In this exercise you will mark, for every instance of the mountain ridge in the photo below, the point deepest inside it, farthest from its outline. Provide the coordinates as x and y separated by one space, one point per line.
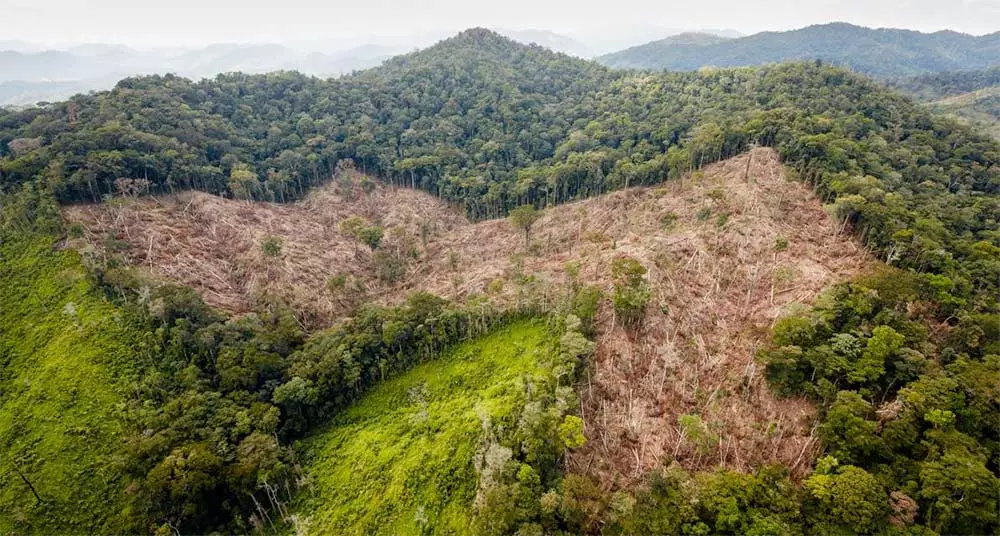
878 51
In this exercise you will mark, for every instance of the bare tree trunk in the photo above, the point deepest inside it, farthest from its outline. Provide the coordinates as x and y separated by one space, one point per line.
28 482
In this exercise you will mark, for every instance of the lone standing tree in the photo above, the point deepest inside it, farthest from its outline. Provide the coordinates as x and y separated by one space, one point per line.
523 217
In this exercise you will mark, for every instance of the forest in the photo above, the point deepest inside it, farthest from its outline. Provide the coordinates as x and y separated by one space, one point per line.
903 364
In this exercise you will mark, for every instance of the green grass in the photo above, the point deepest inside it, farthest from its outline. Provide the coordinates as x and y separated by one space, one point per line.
65 358
980 108
401 460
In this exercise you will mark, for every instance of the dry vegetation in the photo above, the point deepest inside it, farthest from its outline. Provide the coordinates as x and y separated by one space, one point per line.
725 256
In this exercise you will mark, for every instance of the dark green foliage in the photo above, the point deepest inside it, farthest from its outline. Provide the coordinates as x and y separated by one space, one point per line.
721 502
271 246
900 402
847 501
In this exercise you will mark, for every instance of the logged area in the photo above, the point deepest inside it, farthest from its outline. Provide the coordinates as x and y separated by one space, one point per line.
403 459
727 248
215 245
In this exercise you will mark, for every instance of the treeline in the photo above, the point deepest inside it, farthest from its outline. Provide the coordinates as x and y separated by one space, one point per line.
478 120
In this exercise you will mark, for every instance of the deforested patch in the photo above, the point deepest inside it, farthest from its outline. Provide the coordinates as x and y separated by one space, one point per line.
727 249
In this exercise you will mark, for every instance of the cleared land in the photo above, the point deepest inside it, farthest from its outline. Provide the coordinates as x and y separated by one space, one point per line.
728 249
401 460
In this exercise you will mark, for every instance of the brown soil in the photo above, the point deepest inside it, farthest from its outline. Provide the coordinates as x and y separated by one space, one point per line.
708 242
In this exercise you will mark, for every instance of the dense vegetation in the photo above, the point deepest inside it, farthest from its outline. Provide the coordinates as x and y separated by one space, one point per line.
879 52
973 96
66 363
903 367
405 458
932 87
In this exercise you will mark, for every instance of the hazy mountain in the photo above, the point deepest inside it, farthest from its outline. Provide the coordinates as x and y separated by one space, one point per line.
28 77
880 52
551 40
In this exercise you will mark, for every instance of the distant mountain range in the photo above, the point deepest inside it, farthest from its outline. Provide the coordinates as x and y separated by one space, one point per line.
595 43
30 72
878 52
28 76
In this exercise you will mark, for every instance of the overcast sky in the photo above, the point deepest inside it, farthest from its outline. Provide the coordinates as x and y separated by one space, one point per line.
143 22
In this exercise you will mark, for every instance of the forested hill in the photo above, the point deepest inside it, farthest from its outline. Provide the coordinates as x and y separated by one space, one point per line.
970 96
902 365
879 52
931 87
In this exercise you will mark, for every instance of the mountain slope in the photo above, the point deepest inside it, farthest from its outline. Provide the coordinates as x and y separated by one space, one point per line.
972 96
403 459
690 234
900 365
66 360
880 52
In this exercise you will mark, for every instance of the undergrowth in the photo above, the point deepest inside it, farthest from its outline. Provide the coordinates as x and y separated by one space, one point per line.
401 461
64 361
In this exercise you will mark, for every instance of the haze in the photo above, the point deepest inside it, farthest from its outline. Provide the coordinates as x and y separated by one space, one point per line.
191 22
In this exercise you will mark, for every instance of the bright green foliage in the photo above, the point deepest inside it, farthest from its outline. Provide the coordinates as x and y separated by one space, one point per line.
360 230
389 462
849 501
571 432
695 429
883 344
67 357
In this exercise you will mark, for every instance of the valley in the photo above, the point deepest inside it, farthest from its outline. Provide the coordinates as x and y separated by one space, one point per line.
728 249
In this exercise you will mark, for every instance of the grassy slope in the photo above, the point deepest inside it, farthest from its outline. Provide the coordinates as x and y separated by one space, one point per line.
64 359
381 465
980 108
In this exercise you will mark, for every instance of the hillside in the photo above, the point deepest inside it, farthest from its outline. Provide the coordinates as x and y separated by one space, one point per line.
708 241
633 235
980 109
973 97
66 361
878 52
404 458
932 87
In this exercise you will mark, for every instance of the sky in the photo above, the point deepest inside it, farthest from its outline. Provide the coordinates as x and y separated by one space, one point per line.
191 22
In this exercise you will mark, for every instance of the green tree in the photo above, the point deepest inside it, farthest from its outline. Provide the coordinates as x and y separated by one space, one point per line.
523 218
